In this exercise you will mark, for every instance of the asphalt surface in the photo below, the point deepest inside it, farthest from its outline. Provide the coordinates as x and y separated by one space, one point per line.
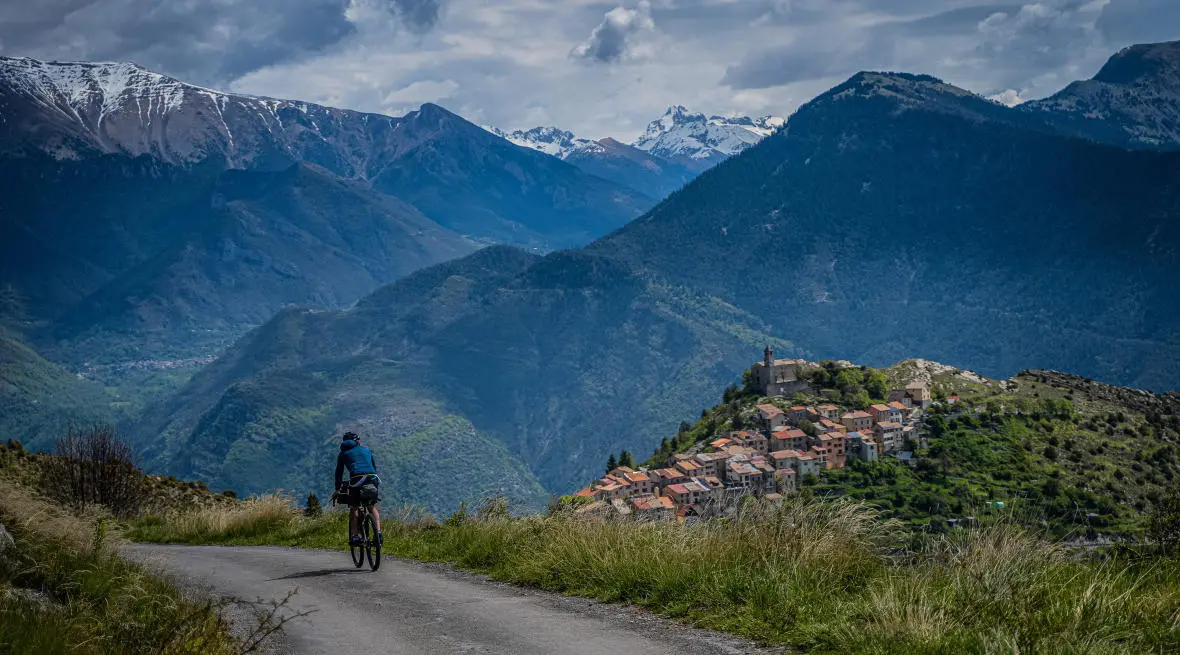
412 608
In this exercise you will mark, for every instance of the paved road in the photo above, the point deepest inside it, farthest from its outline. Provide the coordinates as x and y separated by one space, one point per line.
410 608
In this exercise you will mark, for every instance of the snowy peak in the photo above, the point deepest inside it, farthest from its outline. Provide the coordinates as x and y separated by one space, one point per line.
703 140
105 84
1133 101
549 140
72 110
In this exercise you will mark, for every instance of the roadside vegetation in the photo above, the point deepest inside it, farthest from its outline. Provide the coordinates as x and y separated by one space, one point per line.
63 586
821 576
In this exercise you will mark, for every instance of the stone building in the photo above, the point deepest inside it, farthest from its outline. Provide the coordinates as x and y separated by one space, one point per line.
778 377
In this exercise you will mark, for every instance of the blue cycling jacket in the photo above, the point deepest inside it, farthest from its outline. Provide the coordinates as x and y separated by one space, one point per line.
356 458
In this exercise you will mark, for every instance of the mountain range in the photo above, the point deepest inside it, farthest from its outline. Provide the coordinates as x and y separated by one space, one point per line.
148 217
896 215
673 150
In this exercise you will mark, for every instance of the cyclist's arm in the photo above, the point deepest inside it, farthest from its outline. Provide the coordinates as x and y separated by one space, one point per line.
339 472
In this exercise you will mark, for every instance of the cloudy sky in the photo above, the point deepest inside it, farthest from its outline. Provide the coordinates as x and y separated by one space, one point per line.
597 68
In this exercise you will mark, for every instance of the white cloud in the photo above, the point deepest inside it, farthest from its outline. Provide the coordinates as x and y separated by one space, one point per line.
1010 97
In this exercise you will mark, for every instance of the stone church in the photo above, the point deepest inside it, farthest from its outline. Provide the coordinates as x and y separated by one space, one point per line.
779 377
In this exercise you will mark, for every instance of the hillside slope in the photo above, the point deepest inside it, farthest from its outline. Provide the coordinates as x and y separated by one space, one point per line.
525 349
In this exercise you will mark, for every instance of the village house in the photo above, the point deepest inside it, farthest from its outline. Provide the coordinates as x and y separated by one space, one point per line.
862 446
689 492
788 440
833 444
806 463
654 508
828 425
742 475
918 393
750 439
904 413
785 480
718 444
784 459
856 421
885 413
669 476
690 467
598 508
711 463
778 377
821 456
772 418
641 483
829 412
888 434
901 397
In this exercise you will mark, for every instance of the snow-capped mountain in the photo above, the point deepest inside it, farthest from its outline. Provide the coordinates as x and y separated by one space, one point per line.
675 148
448 168
701 141
1134 101
549 140
75 109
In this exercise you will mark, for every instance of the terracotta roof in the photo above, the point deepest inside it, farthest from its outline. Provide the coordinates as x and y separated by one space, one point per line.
784 454
769 411
796 434
881 408
585 493
829 407
889 425
857 414
896 405
677 488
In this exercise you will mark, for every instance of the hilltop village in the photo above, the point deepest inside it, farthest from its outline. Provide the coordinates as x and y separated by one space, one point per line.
786 447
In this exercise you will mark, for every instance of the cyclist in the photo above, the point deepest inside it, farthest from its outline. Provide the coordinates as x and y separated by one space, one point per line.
362 470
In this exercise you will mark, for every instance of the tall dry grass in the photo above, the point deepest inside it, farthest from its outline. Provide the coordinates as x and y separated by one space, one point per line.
63 589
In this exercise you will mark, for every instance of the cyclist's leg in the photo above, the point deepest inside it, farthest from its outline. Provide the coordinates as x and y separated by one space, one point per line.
354 516
376 516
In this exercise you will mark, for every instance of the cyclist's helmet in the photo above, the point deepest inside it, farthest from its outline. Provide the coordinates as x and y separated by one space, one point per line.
350 436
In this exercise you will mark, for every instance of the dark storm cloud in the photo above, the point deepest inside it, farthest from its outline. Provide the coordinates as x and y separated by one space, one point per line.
204 41
610 40
418 15
1012 43
1141 21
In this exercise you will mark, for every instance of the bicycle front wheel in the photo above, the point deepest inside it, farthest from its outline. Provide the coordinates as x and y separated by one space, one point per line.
372 542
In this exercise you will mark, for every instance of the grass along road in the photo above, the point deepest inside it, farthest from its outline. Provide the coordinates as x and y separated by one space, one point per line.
823 577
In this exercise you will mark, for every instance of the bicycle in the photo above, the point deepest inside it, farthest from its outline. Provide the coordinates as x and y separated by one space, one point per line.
369 545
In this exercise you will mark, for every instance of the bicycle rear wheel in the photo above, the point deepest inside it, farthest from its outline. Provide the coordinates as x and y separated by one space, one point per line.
372 542
357 550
